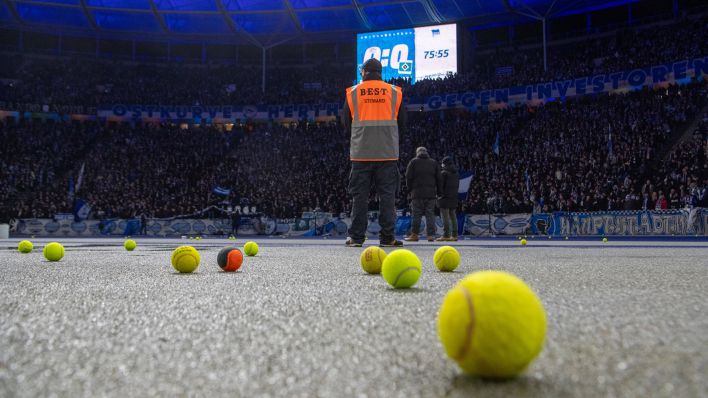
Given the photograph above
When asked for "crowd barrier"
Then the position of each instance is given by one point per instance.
(605, 223)
(157, 228)
(628, 223)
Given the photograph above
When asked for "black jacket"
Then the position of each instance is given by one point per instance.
(450, 186)
(423, 177)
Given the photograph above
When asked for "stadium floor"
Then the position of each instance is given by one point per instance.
(625, 319)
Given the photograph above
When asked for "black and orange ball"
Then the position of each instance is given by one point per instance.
(230, 259)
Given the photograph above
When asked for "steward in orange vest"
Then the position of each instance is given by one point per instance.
(373, 107)
(375, 115)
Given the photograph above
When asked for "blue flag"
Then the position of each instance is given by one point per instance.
(81, 209)
(465, 181)
(221, 191)
(70, 194)
(495, 147)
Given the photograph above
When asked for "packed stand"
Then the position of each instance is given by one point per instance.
(34, 156)
(683, 175)
(553, 158)
(587, 154)
(626, 49)
(93, 83)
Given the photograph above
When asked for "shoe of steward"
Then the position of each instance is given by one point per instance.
(391, 243)
(353, 243)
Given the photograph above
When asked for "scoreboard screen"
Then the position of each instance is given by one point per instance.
(416, 53)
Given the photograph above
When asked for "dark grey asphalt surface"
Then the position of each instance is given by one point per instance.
(626, 319)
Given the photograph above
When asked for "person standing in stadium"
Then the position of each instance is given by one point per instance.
(447, 201)
(235, 220)
(424, 182)
(375, 117)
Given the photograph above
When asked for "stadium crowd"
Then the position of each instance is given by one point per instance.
(590, 154)
(552, 158)
(625, 49)
(32, 157)
(603, 152)
(92, 83)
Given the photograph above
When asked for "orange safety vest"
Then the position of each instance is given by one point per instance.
(374, 105)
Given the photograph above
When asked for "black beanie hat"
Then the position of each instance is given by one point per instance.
(372, 65)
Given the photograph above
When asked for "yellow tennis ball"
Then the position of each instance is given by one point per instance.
(401, 268)
(492, 324)
(185, 259)
(250, 248)
(372, 258)
(130, 245)
(53, 251)
(604, 240)
(25, 246)
(446, 258)
(523, 242)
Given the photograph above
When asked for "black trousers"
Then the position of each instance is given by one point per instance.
(419, 207)
(235, 222)
(385, 177)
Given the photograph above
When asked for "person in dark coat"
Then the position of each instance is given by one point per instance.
(235, 220)
(143, 224)
(447, 201)
(424, 183)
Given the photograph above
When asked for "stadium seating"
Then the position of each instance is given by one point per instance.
(555, 157)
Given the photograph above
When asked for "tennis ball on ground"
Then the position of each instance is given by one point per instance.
(372, 258)
(604, 240)
(250, 248)
(446, 258)
(130, 245)
(25, 246)
(185, 259)
(492, 324)
(523, 242)
(53, 251)
(229, 259)
(401, 268)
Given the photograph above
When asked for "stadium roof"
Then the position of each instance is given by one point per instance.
(267, 22)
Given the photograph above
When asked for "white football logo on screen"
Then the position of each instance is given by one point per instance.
(395, 56)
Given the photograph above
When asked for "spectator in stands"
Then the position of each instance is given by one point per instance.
(701, 193)
(674, 199)
(661, 203)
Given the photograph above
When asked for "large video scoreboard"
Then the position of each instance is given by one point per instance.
(415, 53)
